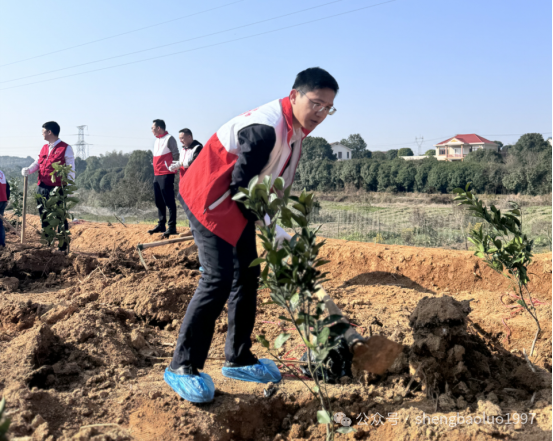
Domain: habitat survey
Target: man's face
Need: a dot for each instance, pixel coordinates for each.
(157, 131)
(185, 139)
(47, 135)
(305, 106)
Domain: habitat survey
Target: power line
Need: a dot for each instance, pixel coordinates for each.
(123, 33)
(203, 47)
(172, 44)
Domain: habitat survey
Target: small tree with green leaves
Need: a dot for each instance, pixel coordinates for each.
(293, 276)
(504, 247)
(55, 209)
(16, 202)
(4, 421)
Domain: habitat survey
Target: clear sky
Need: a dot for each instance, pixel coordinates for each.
(406, 68)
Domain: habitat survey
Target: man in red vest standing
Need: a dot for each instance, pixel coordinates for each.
(263, 142)
(4, 198)
(166, 153)
(55, 151)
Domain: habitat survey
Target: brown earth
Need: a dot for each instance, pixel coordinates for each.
(84, 340)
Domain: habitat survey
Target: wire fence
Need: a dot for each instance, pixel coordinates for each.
(438, 227)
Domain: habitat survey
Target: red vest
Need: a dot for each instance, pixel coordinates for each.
(45, 162)
(162, 156)
(205, 186)
(3, 188)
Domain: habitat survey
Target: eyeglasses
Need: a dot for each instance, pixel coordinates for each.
(319, 108)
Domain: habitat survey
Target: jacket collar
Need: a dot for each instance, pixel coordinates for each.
(192, 145)
(289, 118)
(161, 136)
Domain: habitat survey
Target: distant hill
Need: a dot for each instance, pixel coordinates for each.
(9, 162)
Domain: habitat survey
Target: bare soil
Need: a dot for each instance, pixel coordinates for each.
(85, 338)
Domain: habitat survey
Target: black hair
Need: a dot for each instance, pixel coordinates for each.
(186, 132)
(53, 126)
(315, 78)
(159, 123)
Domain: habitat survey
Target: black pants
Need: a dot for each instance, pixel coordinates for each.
(44, 190)
(228, 277)
(165, 198)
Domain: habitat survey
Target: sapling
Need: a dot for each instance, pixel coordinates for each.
(55, 209)
(504, 247)
(16, 202)
(292, 273)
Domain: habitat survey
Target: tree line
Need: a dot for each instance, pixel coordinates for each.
(125, 179)
(524, 168)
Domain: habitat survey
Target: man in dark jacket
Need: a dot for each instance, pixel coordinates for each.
(263, 142)
(190, 151)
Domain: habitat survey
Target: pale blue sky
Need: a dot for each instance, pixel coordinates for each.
(406, 68)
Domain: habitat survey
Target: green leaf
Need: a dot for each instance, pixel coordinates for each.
(261, 339)
(323, 417)
(282, 317)
(2, 405)
(316, 389)
(522, 303)
(253, 183)
(279, 183)
(238, 196)
(281, 339)
(323, 336)
(257, 261)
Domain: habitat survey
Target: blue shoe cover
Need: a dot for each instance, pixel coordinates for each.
(193, 388)
(201, 269)
(263, 372)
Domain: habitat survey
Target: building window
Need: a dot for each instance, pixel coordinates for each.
(347, 155)
(442, 152)
(339, 155)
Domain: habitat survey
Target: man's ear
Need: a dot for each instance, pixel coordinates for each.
(293, 96)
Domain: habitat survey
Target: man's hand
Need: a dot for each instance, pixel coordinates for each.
(281, 236)
(174, 166)
(25, 171)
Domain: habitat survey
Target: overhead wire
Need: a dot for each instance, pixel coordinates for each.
(122, 33)
(203, 47)
(174, 43)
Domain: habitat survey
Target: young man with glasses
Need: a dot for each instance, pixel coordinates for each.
(263, 142)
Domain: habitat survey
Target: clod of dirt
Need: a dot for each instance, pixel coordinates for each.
(450, 359)
(432, 312)
(38, 261)
(84, 265)
(9, 284)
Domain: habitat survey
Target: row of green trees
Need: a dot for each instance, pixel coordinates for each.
(524, 167)
(521, 168)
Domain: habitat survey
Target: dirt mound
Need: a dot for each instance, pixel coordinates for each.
(449, 359)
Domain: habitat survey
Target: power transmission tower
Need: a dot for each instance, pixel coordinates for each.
(419, 141)
(82, 145)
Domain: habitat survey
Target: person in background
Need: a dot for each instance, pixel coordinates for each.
(55, 151)
(166, 153)
(263, 142)
(190, 151)
(4, 198)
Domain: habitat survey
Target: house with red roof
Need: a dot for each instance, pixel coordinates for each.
(456, 148)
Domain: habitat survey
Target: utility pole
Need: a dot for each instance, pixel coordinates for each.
(82, 145)
(419, 141)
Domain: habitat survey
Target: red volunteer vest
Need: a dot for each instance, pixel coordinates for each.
(205, 187)
(162, 156)
(45, 162)
(3, 188)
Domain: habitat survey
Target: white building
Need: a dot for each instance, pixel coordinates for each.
(341, 151)
(456, 148)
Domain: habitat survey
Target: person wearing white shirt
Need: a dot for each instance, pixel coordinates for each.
(55, 151)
